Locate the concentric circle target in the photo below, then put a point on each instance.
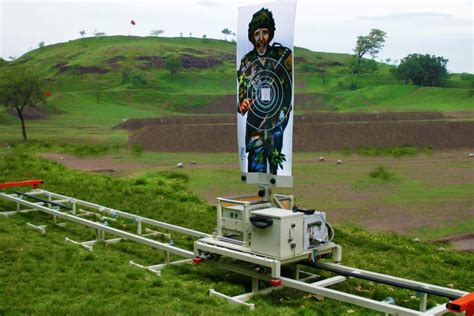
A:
(270, 92)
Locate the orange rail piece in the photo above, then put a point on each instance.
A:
(33, 183)
(463, 304)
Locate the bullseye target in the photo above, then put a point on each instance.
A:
(269, 91)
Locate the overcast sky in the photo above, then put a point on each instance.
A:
(440, 27)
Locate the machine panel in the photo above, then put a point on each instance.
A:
(281, 239)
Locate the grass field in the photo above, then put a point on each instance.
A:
(41, 274)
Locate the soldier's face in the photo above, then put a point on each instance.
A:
(260, 40)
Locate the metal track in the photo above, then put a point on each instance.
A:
(104, 228)
(113, 212)
(420, 287)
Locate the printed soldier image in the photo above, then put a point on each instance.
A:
(265, 94)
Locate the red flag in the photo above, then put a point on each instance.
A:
(132, 22)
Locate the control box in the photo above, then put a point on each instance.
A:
(234, 220)
(315, 230)
(283, 238)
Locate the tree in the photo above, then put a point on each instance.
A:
(41, 44)
(82, 33)
(370, 44)
(97, 86)
(98, 34)
(21, 89)
(322, 72)
(423, 70)
(156, 32)
(173, 64)
(226, 32)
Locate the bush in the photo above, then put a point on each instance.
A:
(428, 150)
(137, 150)
(394, 151)
(404, 151)
(381, 173)
(346, 150)
(173, 64)
(423, 70)
(139, 80)
(84, 150)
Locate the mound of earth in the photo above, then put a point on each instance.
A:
(136, 124)
(463, 242)
(321, 132)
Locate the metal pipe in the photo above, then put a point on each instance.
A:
(144, 220)
(43, 200)
(389, 280)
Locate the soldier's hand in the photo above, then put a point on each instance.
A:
(244, 105)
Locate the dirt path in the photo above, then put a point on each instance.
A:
(103, 164)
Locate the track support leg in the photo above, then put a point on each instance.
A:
(156, 269)
(40, 228)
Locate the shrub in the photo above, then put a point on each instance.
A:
(381, 173)
(137, 150)
(84, 150)
(346, 150)
(428, 150)
(173, 64)
(139, 80)
(403, 151)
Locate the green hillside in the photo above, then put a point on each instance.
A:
(129, 74)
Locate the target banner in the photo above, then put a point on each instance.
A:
(265, 92)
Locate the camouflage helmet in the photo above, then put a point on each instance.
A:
(262, 19)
